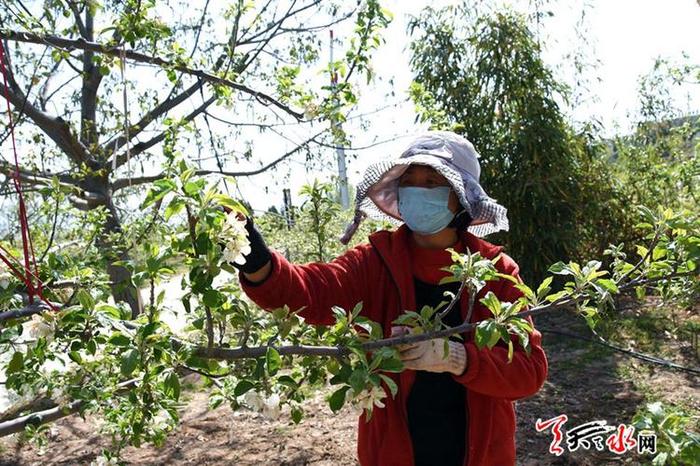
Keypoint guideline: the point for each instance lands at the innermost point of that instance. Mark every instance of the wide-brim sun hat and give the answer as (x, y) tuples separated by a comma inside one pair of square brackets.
[(451, 155)]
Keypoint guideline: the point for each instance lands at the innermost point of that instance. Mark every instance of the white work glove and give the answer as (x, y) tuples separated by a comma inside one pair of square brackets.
[(429, 355)]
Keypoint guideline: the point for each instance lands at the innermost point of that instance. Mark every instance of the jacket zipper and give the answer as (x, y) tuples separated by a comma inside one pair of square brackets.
[(404, 409), (386, 263), (467, 411)]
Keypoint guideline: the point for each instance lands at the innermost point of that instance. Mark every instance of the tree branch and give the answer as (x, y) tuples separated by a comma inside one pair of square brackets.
[(55, 127), (91, 82), (34, 419), (143, 146), (162, 108), (78, 20), (276, 24), (139, 57), (35, 178), (42, 417), (124, 182)]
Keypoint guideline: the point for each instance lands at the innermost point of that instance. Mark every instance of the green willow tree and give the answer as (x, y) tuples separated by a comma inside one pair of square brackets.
[(483, 76), (106, 93)]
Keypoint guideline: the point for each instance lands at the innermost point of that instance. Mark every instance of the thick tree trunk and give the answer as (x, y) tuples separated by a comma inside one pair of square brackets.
[(120, 276), (110, 249)]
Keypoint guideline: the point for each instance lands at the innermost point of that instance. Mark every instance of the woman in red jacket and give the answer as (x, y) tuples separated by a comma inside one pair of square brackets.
[(452, 411)]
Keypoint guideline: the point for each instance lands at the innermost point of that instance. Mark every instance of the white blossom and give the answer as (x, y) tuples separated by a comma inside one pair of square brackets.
[(253, 400), (366, 400), (271, 407), (310, 111), (4, 280), (162, 419), (235, 238), (39, 327), (104, 461)]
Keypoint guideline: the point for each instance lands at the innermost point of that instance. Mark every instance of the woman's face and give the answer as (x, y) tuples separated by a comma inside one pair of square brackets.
[(423, 176)]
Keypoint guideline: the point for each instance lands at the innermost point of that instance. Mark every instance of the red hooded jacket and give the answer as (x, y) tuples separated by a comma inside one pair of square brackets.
[(378, 273)]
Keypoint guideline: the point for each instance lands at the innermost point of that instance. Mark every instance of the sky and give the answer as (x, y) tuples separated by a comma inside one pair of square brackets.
[(625, 37)]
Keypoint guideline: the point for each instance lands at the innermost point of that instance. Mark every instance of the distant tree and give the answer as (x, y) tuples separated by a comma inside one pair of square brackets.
[(483, 76)]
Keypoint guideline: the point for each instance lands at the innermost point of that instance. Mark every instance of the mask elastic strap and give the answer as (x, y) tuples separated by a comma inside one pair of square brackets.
[(461, 220)]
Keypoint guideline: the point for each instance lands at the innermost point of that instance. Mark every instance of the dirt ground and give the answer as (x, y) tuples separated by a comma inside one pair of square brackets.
[(587, 382)]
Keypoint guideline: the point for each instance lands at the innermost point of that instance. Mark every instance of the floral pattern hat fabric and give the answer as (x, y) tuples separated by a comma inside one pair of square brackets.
[(451, 155)]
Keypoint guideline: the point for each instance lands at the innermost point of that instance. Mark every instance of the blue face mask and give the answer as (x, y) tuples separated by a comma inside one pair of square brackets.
[(425, 210)]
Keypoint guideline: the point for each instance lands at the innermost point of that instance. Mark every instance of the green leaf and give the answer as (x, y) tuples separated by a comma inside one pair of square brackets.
[(527, 291), (544, 288), (356, 310), (393, 388), (486, 331), (449, 278), (391, 365), (198, 363), (427, 312), (171, 386), (287, 381), (174, 207), (558, 295), (557, 268), (273, 359), (297, 414), (492, 303), (119, 339), (149, 329), (75, 357), (16, 363), (522, 323), (608, 284), (658, 253), (129, 362), (342, 375), (642, 251), (85, 299), (507, 277), (227, 201), (358, 379), (511, 309), (212, 298), (242, 387), (337, 399), (91, 347), (110, 310), (158, 191), (523, 336), (510, 351), (192, 188), (186, 173), (215, 401), (640, 292), (405, 319)]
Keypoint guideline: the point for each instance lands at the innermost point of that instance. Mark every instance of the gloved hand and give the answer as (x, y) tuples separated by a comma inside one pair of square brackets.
[(429, 355), (259, 253)]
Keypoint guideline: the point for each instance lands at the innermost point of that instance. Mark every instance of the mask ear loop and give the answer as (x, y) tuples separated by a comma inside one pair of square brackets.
[(461, 220)]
